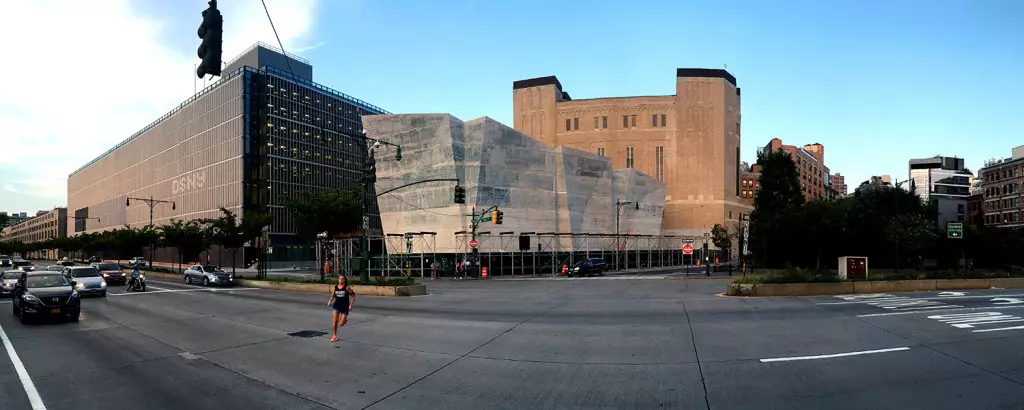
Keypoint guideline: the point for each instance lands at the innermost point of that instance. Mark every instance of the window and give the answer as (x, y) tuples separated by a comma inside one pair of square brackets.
[(663, 120), (625, 121), (568, 124), (595, 123), (629, 156), (654, 120), (604, 122), (576, 124), (600, 152), (633, 121), (659, 158)]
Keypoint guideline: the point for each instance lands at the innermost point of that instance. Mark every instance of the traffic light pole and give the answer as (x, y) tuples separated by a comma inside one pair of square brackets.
[(152, 203), (618, 209), (474, 224), (369, 178)]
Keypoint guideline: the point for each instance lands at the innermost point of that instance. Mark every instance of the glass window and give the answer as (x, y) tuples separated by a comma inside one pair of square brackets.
[(654, 120), (625, 121), (633, 121), (604, 122), (663, 120), (595, 123), (600, 151), (576, 124), (45, 281), (629, 156), (568, 124)]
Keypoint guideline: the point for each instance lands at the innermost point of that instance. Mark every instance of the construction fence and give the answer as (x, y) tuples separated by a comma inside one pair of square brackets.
[(508, 253)]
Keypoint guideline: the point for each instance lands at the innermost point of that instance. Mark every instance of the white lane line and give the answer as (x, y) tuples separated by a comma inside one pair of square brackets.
[(154, 287), (944, 310), (181, 290), (915, 298), (26, 381), (829, 356)]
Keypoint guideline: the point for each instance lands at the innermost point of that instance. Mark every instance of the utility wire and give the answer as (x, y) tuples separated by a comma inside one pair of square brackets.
[(279, 44)]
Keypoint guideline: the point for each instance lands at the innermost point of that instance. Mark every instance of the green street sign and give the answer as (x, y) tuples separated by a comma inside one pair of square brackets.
[(486, 218), (954, 230)]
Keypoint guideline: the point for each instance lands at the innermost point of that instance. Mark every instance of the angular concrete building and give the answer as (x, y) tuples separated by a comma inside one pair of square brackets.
[(541, 190)]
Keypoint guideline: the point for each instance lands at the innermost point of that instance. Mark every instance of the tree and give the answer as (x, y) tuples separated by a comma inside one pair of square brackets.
[(332, 212), (778, 199), (4, 219), (722, 238), (189, 238), (910, 233), (231, 233)]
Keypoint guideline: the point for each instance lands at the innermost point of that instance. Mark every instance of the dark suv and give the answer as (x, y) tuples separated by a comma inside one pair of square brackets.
[(592, 266), (45, 294)]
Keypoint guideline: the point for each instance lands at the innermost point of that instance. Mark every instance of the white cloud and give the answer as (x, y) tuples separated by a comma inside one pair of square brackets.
[(81, 85)]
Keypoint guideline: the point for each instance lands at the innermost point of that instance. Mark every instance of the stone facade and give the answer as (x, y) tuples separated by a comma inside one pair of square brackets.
[(689, 140), (540, 189)]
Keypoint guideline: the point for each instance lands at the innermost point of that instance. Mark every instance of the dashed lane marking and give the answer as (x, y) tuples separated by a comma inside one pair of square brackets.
[(214, 290), (892, 302)]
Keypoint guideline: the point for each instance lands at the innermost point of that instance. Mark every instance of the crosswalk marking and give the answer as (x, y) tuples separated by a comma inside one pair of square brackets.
[(593, 278)]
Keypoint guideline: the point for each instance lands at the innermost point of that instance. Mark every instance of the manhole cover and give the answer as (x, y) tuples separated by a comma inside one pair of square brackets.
[(307, 333)]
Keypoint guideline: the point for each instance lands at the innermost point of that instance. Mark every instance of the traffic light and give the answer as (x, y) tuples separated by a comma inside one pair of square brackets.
[(460, 195), (370, 170), (498, 216), (210, 33)]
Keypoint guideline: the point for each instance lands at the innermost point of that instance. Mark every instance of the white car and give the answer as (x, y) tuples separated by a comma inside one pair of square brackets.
[(207, 275)]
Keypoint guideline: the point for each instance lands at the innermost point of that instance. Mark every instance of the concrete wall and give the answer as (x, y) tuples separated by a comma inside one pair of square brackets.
[(539, 189)]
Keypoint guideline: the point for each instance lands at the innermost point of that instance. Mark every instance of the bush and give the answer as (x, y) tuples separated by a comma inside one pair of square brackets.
[(374, 281), (792, 275)]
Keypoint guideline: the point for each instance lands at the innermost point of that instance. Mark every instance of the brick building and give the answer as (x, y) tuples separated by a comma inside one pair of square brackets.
[(45, 225), (975, 211), (690, 140), (750, 182), (1001, 182), (839, 184), (810, 162)]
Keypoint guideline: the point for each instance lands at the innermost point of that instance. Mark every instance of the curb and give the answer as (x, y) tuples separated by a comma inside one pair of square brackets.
[(892, 286)]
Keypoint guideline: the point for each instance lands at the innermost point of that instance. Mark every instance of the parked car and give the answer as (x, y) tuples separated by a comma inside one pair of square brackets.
[(6, 263), (24, 265), (111, 272), (137, 262), (207, 275), (7, 280), (88, 280), (45, 294), (53, 268), (592, 266)]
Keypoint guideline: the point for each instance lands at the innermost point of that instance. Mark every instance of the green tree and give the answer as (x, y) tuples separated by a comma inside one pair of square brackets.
[(776, 207), (722, 238), (4, 219), (188, 238), (230, 233), (911, 234), (332, 212)]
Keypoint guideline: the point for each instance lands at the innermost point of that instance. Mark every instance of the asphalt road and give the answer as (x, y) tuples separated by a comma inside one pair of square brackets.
[(540, 343)]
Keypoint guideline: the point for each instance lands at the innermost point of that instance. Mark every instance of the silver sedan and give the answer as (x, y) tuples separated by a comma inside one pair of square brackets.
[(88, 280), (7, 281), (207, 275)]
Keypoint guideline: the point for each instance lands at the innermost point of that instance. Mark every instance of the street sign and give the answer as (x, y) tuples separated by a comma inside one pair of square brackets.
[(689, 240), (954, 230), (687, 249), (473, 244), (486, 218)]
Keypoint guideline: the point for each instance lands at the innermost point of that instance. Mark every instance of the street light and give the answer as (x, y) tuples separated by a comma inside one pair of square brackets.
[(152, 203), (364, 252)]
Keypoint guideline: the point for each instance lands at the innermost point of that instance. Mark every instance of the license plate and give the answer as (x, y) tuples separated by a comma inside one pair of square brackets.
[(55, 310)]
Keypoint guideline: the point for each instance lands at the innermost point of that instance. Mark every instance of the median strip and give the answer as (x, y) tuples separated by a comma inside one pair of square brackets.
[(829, 356)]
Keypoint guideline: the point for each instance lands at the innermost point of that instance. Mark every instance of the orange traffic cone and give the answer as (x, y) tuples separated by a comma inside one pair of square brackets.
[(483, 272)]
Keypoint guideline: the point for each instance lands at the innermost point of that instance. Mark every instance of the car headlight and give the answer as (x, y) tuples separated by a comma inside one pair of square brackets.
[(79, 285), (103, 284), (31, 298)]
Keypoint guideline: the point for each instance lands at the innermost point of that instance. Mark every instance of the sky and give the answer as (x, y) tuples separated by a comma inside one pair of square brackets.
[(875, 82)]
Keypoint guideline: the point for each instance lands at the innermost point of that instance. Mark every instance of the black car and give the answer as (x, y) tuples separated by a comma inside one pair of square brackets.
[(592, 266), (24, 265), (45, 294)]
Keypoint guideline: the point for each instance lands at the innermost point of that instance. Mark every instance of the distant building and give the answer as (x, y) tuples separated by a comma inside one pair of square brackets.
[(750, 182), (810, 162), (874, 182), (839, 184), (1001, 187), (975, 211), (17, 218), (45, 225), (940, 176)]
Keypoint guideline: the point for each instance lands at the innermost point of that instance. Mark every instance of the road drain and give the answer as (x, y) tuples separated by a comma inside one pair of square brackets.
[(307, 333)]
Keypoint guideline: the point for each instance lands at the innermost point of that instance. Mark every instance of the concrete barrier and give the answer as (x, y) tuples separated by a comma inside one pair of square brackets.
[(413, 290), (892, 286)]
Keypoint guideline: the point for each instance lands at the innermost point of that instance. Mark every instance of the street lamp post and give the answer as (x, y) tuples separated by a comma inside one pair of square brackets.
[(152, 203), (618, 209), (369, 178)]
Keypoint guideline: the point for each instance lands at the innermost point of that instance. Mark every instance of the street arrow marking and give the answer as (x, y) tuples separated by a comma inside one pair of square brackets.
[(951, 293), (1006, 301)]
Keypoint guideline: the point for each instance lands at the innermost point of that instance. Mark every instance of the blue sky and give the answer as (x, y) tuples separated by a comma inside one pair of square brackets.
[(876, 82)]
